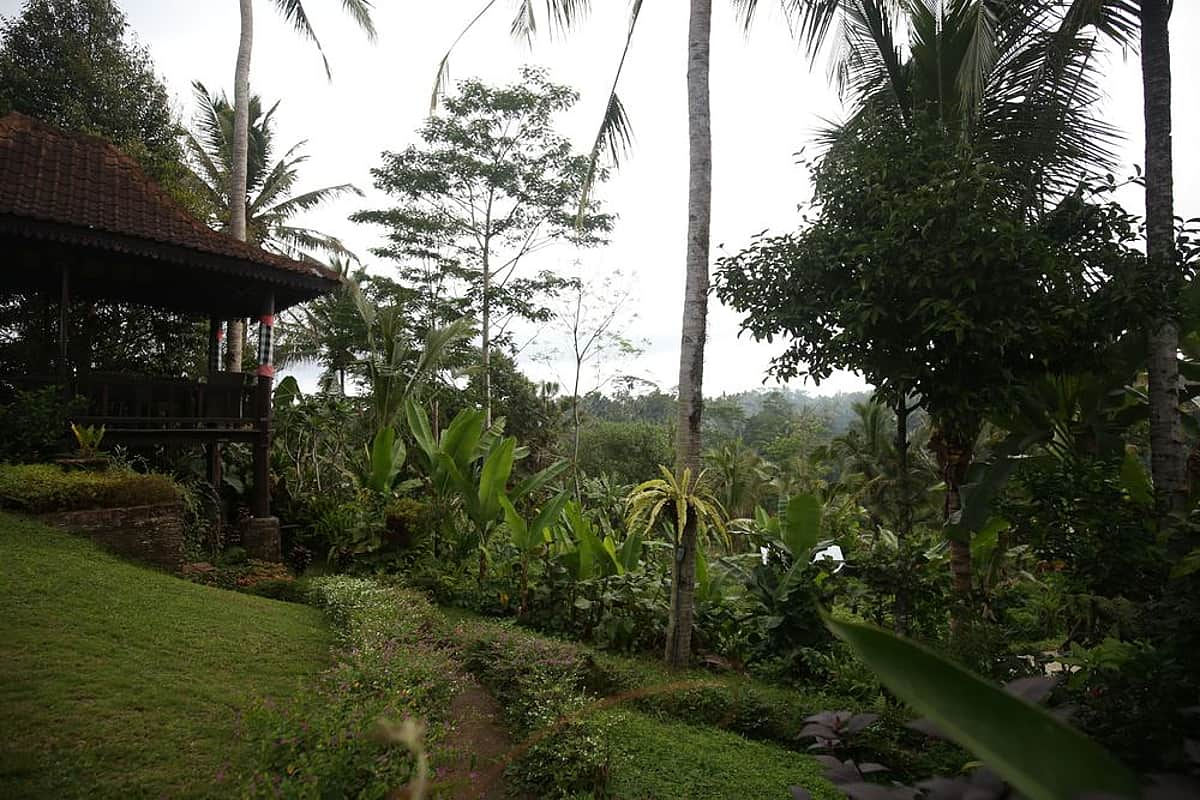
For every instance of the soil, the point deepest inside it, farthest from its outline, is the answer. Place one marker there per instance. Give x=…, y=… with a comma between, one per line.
x=476, y=748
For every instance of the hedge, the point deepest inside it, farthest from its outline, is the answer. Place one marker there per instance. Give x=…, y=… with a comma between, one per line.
x=44, y=488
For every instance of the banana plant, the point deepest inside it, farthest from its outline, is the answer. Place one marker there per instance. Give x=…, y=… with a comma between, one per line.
x=385, y=458
x=470, y=467
x=530, y=537
x=587, y=555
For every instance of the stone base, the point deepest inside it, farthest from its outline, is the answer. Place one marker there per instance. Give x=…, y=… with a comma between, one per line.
x=260, y=538
x=153, y=534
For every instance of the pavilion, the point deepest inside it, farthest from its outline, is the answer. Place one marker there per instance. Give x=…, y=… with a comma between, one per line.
x=80, y=220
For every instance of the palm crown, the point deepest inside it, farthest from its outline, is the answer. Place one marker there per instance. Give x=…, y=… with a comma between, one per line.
x=270, y=204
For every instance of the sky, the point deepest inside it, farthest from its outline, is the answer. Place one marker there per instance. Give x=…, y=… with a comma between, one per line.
x=767, y=101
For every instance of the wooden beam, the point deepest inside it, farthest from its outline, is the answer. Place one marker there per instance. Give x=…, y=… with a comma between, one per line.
x=262, y=445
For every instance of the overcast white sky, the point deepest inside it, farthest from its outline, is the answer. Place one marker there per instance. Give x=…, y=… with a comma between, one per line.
x=766, y=103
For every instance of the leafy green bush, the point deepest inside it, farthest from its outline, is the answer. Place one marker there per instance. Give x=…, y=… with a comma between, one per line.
x=386, y=667
x=43, y=488
x=33, y=424
x=629, y=452
x=540, y=685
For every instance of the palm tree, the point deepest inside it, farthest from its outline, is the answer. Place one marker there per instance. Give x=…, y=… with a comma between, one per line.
x=740, y=477
x=329, y=331
x=1016, y=82
x=293, y=11
x=269, y=205
x=1168, y=458
x=612, y=140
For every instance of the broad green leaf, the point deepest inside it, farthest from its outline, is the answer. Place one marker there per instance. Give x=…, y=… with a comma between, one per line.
x=1042, y=757
x=549, y=513
x=418, y=425
x=608, y=552
x=631, y=552
x=462, y=436
x=385, y=457
x=493, y=478
x=517, y=529
x=802, y=525
x=1135, y=479
x=538, y=481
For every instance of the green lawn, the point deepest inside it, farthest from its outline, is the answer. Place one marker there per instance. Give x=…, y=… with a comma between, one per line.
x=661, y=759
x=119, y=681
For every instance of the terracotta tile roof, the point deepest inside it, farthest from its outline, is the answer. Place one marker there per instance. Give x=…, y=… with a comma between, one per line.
x=54, y=176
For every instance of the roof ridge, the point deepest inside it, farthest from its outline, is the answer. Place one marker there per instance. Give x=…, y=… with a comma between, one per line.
x=160, y=201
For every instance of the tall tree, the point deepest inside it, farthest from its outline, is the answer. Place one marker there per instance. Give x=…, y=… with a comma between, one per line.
x=1017, y=83
x=270, y=205
x=922, y=274
x=492, y=184
x=612, y=140
x=592, y=315
x=72, y=63
x=1168, y=456
x=294, y=12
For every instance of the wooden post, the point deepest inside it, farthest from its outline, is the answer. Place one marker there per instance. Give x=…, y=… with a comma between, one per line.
x=212, y=451
x=262, y=443
x=215, y=332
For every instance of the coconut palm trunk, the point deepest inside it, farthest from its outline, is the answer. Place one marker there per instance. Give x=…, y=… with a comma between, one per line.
x=237, y=177
x=1168, y=456
x=695, y=320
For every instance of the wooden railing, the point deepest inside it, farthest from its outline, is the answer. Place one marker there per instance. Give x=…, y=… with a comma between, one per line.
x=225, y=406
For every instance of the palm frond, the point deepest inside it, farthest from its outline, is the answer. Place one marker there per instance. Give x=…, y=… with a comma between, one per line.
x=980, y=56
x=566, y=14
x=443, y=71
x=293, y=12
x=316, y=197
x=868, y=64
x=360, y=12
x=615, y=135
x=524, y=24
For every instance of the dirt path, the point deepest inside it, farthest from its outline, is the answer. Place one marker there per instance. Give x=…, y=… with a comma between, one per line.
x=475, y=748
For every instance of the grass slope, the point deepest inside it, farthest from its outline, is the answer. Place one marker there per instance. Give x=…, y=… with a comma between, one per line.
x=663, y=759
x=119, y=681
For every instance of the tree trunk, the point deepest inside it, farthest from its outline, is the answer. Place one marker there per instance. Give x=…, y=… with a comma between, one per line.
x=695, y=319
x=900, y=610
x=486, y=325
x=1168, y=456
x=954, y=450
x=237, y=178
x=683, y=594
x=575, y=432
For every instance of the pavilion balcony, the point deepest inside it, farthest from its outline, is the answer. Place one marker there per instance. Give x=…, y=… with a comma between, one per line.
x=80, y=221
x=136, y=409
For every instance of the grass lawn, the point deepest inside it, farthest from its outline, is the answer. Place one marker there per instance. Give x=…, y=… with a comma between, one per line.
x=119, y=681
x=663, y=759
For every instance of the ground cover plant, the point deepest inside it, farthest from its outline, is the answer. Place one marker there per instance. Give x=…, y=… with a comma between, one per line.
x=41, y=488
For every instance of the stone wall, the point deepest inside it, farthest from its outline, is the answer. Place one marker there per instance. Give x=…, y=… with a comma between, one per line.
x=153, y=534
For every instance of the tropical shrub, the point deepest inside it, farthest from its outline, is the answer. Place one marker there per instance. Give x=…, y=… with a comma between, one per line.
x=42, y=488
x=33, y=423
x=626, y=452
x=386, y=667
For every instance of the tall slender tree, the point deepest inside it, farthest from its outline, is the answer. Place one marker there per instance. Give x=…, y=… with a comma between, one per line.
x=270, y=204
x=612, y=140
x=1168, y=456
x=293, y=11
